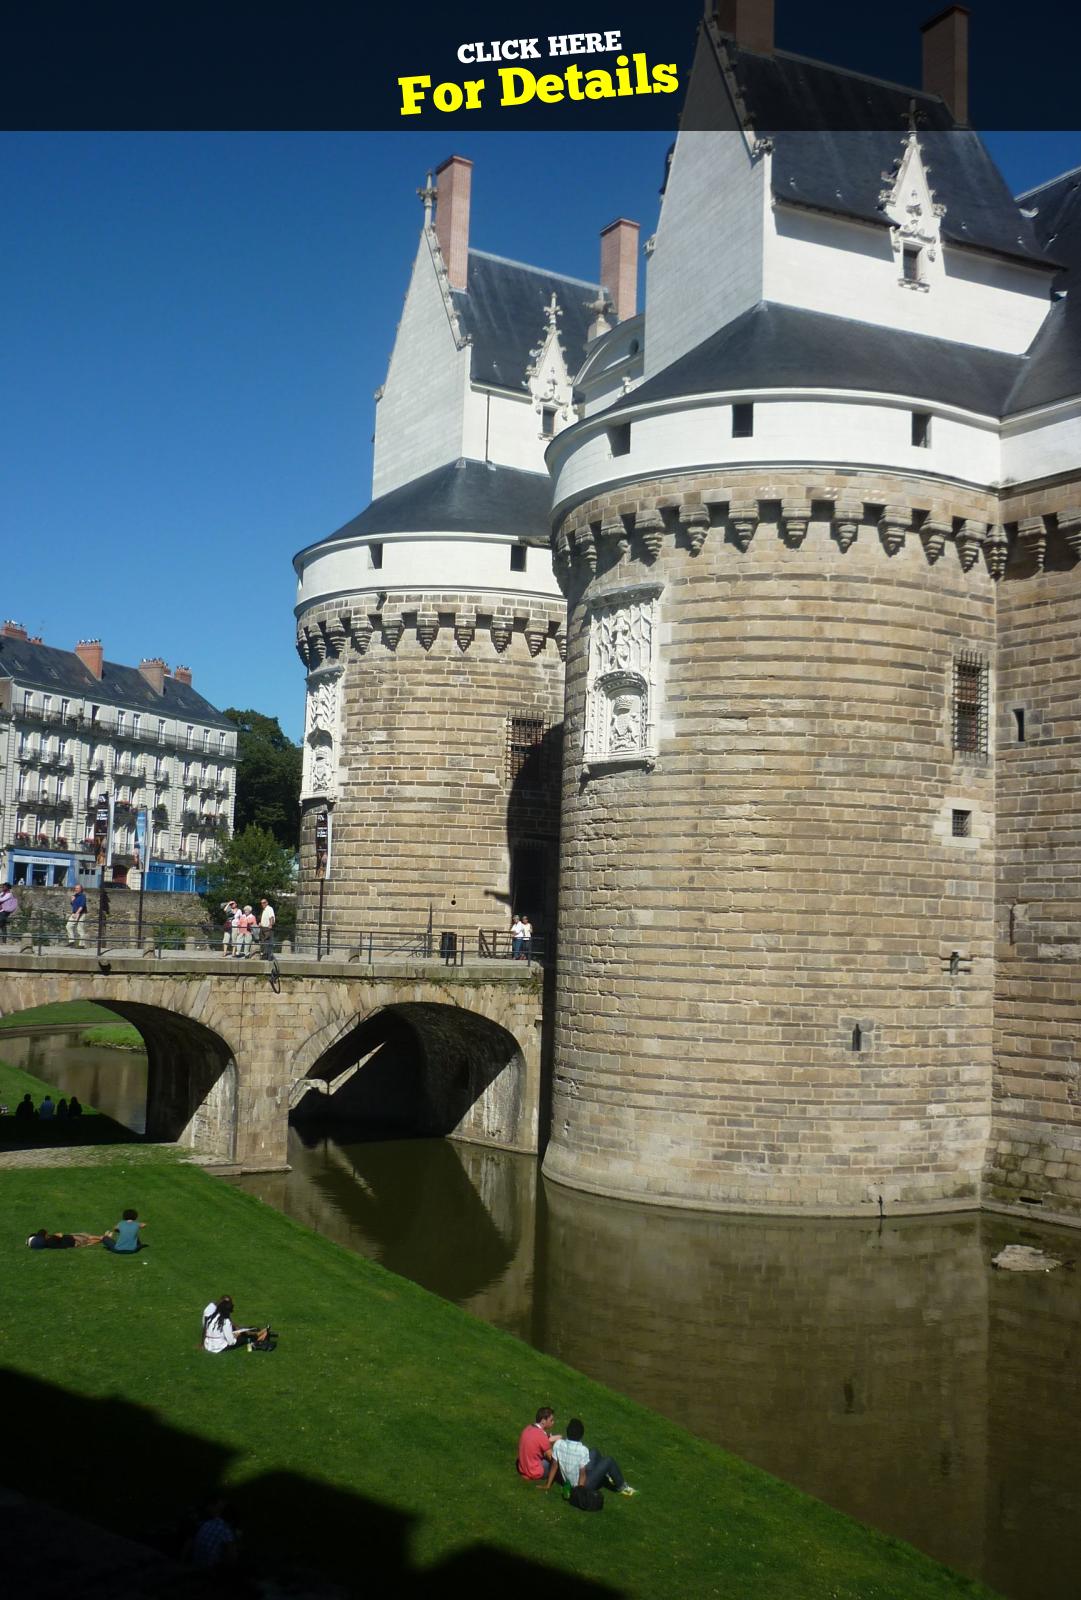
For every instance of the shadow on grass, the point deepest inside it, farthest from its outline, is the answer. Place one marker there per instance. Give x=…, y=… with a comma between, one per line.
x=118, y=1465
x=28, y=1133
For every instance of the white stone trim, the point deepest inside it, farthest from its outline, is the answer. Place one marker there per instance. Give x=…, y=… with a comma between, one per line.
x=622, y=679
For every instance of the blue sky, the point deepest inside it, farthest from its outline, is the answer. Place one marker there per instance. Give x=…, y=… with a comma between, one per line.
x=193, y=327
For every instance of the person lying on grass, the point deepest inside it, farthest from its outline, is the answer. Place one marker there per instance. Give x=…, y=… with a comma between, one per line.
x=43, y=1240
x=218, y=1331
x=123, y=1240
x=583, y=1468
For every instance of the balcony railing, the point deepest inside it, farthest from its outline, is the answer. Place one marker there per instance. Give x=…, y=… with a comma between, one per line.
x=108, y=728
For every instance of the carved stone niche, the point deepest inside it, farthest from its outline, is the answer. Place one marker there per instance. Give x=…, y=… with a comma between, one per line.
x=621, y=679
x=322, y=741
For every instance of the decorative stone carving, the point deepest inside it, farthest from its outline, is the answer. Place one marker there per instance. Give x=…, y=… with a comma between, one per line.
x=996, y=548
x=847, y=516
x=465, y=631
x=317, y=646
x=393, y=628
x=621, y=679
x=501, y=629
x=536, y=636
x=892, y=527
x=1069, y=525
x=1032, y=536
x=649, y=525
x=334, y=633
x=934, y=533
x=302, y=645
x=322, y=742
x=561, y=643
x=362, y=636
x=795, y=520
x=695, y=520
x=970, y=543
x=743, y=517
x=427, y=628
x=584, y=546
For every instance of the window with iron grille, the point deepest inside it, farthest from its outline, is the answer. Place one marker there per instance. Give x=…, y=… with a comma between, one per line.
x=525, y=741
x=970, y=705
x=962, y=824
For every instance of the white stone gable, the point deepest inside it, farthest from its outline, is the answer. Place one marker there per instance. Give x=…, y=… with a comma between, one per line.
x=547, y=378
x=909, y=202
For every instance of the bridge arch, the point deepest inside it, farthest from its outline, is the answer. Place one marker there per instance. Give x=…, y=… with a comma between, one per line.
x=192, y=1080
x=417, y=1068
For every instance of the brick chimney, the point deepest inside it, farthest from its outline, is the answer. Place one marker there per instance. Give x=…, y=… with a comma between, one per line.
x=945, y=58
x=182, y=675
x=619, y=266
x=91, y=655
x=749, y=21
x=13, y=630
x=453, y=183
x=154, y=670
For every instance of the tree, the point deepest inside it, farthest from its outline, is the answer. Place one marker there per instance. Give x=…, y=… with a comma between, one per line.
x=249, y=867
x=267, y=777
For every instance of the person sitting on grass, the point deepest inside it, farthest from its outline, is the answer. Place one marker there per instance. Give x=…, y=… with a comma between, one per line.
x=218, y=1331
x=214, y=1542
x=44, y=1240
x=583, y=1468
x=25, y=1107
x=123, y=1240
x=74, y=1107
x=535, y=1446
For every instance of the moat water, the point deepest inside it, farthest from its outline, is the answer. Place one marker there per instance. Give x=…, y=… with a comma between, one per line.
x=885, y=1368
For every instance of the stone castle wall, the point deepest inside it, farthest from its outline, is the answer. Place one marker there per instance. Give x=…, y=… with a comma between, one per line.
x=1035, y=1155
x=428, y=812
x=781, y=871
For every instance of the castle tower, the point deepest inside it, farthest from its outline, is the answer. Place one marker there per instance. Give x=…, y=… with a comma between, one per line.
x=431, y=626
x=780, y=535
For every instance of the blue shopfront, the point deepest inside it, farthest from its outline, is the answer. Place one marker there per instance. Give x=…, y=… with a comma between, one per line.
x=41, y=868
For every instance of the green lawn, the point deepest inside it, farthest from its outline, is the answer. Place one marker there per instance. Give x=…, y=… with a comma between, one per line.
x=377, y=1441
x=113, y=1036
x=93, y=1127
x=59, y=1014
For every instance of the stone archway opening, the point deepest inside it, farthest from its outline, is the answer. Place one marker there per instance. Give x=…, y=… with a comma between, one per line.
x=189, y=1090
x=419, y=1070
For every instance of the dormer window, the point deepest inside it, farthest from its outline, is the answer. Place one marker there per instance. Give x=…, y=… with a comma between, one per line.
x=912, y=265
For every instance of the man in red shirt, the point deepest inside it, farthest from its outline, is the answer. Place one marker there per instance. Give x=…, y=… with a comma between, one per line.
x=535, y=1447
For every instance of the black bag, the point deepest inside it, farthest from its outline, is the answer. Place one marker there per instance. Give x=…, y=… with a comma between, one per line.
x=269, y=1343
x=586, y=1499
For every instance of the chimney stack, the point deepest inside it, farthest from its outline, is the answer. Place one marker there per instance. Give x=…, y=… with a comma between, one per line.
x=945, y=59
x=91, y=655
x=749, y=21
x=619, y=266
x=13, y=630
x=453, y=182
x=182, y=675
x=154, y=670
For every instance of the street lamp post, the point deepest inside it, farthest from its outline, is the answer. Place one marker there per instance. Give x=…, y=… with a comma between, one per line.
x=322, y=860
x=102, y=817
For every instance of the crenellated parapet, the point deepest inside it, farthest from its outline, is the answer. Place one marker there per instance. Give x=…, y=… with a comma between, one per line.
x=979, y=532
x=329, y=636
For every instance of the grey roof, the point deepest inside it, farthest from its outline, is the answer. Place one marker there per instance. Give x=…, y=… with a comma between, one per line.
x=837, y=134
x=1052, y=370
x=776, y=346
x=502, y=309
x=462, y=497
x=40, y=666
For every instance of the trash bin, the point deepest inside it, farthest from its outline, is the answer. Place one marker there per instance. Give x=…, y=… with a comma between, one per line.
x=448, y=946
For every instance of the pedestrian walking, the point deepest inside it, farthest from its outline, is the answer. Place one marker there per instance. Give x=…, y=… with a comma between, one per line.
x=75, y=925
x=9, y=905
x=267, y=919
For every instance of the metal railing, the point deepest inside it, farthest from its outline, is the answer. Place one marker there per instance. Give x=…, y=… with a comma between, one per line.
x=34, y=933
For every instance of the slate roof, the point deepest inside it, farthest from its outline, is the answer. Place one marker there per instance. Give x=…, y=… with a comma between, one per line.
x=835, y=133
x=503, y=310
x=777, y=346
x=461, y=497
x=40, y=666
x=1052, y=369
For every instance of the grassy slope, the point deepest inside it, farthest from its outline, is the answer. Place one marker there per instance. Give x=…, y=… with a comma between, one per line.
x=113, y=1036
x=14, y=1083
x=382, y=1430
x=59, y=1014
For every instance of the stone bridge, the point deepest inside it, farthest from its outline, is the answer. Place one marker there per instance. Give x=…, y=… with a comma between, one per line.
x=232, y=1048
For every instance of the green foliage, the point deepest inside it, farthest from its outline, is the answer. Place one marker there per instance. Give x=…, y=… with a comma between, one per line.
x=267, y=777
x=247, y=867
x=114, y=1036
x=172, y=935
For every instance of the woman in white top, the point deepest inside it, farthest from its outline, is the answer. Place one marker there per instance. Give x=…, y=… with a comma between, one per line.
x=218, y=1331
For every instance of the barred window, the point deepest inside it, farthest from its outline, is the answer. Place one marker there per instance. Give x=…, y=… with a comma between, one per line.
x=525, y=739
x=970, y=705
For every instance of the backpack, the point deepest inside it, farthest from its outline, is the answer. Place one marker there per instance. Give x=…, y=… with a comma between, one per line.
x=586, y=1499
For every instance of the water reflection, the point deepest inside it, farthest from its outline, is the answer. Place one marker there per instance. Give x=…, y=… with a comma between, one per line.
x=887, y=1370
x=114, y=1081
